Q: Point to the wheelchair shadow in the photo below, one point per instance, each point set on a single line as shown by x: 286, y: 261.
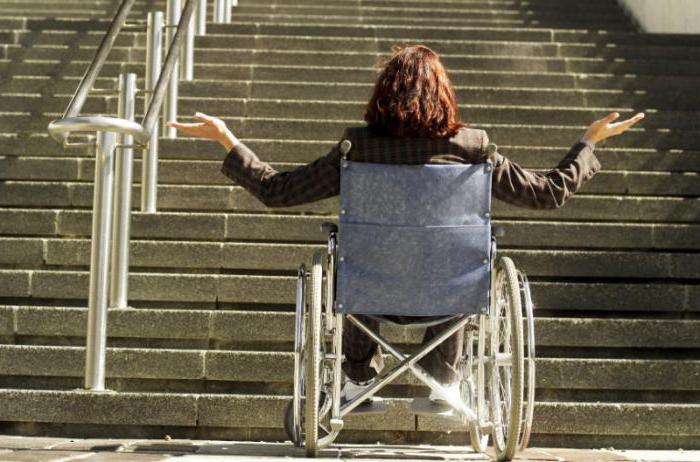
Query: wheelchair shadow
x: 345, y: 451
x: 408, y: 452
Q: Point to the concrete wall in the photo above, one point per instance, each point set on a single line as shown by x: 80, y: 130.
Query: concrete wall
x: 666, y: 16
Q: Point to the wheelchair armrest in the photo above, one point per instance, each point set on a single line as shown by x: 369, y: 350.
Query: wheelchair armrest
x: 498, y: 231
x: 328, y: 227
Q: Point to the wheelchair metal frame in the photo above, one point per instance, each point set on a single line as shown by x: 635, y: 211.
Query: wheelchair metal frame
x: 496, y: 403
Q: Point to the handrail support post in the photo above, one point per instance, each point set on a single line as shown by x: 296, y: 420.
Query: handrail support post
x: 219, y: 11
x: 170, y: 106
x: 202, y: 17
x: 227, y: 11
x: 149, y: 162
x: 187, y: 53
x: 119, y: 283
x: 96, y: 345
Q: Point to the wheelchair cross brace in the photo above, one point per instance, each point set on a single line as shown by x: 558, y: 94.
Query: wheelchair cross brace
x: 409, y: 363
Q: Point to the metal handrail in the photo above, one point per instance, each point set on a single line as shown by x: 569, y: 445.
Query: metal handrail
x: 61, y: 128
x: 81, y: 93
x: 111, y: 212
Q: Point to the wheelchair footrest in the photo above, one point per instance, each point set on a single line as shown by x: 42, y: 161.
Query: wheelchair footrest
x: 374, y: 406
x: 424, y: 406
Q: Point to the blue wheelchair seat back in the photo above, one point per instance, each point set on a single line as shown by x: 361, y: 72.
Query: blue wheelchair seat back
x: 414, y: 240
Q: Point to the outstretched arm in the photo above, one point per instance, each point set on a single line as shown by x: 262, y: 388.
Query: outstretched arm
x: 308, y: 183
x: 526, y: 188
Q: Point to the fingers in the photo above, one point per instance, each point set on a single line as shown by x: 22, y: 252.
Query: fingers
x: 605, y: 121
x: 613, y: 116
x: 624, y: 125
x: 190, y: 129
x: 180, y: 125
x: 203, y: 117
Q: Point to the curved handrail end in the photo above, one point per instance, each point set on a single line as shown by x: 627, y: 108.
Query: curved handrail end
x: 59, y: 129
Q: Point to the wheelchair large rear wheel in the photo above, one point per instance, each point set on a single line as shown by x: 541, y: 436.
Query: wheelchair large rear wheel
x: 294, y: 417
x: 312, y: 377
x: 529, y: 350
x: 506, y: 360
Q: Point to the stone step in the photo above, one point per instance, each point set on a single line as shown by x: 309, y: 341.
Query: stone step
x: 415, y: 9
x: 276, y: 329
x: 666, y: 108
x: 576, y: 34
x: 64, y: 12
x: 444, y: 4
x: 331, y: 130
x: 37, y: 253
x: 304, y: 14
x: 12, y: 23
x: 603, y: 5
x: 531, y: 111
x: 217, y: 326
x: 278, y: 367
x: 672, y: 92
x: 535, y: 22
x: 235, y: 198
x: 260, y: 411
x: 201, y: 172
x: 300, y: 228
x: 211, y: 44
x: 283, y: 151
x: 465, y: 13
x: 418, y: 33
x: 475, y: 47
x: 359, y: 59
x: 217, y: 288
x: 76, y: 38
x: 90, y: 33
x: 577, y: 52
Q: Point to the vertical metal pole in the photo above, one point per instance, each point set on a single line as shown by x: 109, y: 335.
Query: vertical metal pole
x: 202, y: 17
x: 227, y: 11
x: 121, y: 231
x: 99, y: 262
x: 170, y: 105
x: 219, y: 11
x: 187, y: 52
x: 149, y: 163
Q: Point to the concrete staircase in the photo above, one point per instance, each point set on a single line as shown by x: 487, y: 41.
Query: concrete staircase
x: 206, y: 352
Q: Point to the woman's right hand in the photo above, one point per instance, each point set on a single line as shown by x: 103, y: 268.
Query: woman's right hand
x: 210, y: 128
x: 605, y: 128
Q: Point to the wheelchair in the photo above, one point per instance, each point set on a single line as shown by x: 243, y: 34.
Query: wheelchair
x: 416, y: 240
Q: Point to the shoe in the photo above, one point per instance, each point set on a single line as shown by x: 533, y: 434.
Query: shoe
x: 453, y: 391
x: 353, y: 389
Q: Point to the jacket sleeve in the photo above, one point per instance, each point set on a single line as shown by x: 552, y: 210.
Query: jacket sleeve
x: 550, y: 190
x: 308, y: 183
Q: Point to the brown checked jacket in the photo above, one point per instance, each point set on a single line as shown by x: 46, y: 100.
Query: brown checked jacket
x: 321, y: 178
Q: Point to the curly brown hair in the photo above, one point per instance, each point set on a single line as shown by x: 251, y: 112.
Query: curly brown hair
x: 413, y: 96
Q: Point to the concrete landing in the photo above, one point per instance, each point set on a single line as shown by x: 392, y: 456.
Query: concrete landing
x: 40, y: 449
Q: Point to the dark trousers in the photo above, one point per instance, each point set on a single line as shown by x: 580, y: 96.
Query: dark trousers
x: 363, y: 357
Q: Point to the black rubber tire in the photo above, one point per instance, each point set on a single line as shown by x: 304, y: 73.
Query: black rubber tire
x: 506, y: 443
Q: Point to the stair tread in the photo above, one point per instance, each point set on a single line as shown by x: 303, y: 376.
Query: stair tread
x: 614, y: 274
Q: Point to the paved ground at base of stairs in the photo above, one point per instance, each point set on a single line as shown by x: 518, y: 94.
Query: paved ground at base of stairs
x: 40, y: 449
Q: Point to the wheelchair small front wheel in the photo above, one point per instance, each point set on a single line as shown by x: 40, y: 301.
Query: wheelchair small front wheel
x: 506, y: 360
x: 312, y: 371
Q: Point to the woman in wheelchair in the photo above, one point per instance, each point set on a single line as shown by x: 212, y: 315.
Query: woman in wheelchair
x: 412, y: 118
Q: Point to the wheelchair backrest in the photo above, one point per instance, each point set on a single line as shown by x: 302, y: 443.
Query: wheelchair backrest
x: 414, y: 240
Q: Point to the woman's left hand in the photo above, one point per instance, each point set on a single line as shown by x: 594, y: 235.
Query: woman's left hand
x: 210, y: 128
